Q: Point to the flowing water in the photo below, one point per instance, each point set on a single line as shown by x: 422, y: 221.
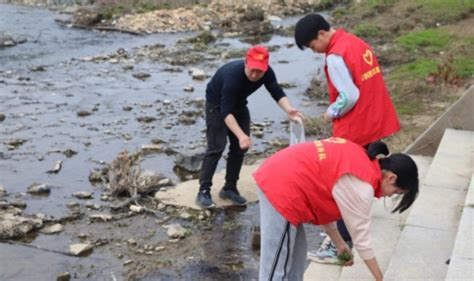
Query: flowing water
x: 41, y: 109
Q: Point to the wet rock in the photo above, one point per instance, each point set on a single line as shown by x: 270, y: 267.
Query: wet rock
x: 189, y: 89
x: 80, y: 249
x: 6, y: 40
x: 141, y: 76
x: 127, y: 108
x: 148, y: 180
x: 204, y: 38
x: 175, y: 231
x: 189, y: 162
x: 198, y: 74
x: 132, y: 242
x: 86, y: 16
x: 39, y: 189
x: 285, y: 85
x: 3, y: 192
x: 165, y: 182
x: 95, y: 175
x: 65, y: 276
x: 14, y: 143
x: 146, y: 119
x: 69, y: 153
x: 52, y: 229
x: 274, y: 18
x: 127, y: 262
x: 19, y: 204
x: 185, y: 215
x: 14, y: 226
x: 128, y: 67
x: 82, y: 195
x: 160, y: 206
x: 2, y: 116
x: 102, y: 217
x: 136, y: 209
x: 198, y: 102
x: 72, y: 205
x: 38, y: 68
x: 83, y: 113
x: 92, y: 206
x: 151, y: 148
x: 56, y: 167
x: 186, y: 120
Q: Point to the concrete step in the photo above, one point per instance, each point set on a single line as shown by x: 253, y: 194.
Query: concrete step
x: 461, y: 266
x: 427, y: 239
x: 385, y: 229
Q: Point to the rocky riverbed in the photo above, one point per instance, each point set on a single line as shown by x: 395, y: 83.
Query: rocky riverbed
x: 74, y: 100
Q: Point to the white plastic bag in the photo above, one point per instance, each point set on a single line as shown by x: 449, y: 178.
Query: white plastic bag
x: 296, y: 133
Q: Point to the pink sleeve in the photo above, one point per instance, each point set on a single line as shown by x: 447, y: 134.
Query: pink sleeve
x: 354, y: 199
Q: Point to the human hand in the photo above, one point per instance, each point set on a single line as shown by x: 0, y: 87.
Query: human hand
x: 244, y: 142
x: 295, y: 115
x: 344, y: 250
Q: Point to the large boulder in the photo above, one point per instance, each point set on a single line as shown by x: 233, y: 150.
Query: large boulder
x: 189, y: 162
x: 86, y: 16
x: 14, y: 226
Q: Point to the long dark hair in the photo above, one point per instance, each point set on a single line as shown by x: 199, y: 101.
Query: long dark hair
x: 403, y: 166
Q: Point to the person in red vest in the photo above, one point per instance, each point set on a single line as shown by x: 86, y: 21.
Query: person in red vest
x: 321, y: 182
x: 360, y: 107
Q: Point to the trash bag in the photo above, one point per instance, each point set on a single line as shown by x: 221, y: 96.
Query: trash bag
x: 296, y: 133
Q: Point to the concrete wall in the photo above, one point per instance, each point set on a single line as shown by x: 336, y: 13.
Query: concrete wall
x: 458, y: 116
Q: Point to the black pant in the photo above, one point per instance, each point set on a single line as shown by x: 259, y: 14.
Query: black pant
x: 217, y: 133
x: 341, y: 227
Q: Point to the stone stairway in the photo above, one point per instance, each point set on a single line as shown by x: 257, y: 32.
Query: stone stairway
x: 416, y: 245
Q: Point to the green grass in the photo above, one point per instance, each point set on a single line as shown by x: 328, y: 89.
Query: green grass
x: 408, y: 108
x: 464, y: 67
x: 373, y: 3
x: 444, y: 11
x: 417, y: 69
x: 367, y: 30
x: 432, y: 40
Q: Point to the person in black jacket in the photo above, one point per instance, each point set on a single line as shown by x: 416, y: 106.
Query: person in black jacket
x: 227, y: 116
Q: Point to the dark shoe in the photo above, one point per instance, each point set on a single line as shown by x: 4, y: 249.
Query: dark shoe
x: 204, y: 200
x: 234, y: 196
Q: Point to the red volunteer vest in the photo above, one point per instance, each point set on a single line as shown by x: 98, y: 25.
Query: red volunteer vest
x: 373, y: 117
x: 298, y: 180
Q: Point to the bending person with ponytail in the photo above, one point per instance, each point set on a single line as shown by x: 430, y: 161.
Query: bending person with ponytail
x: 319, y: 183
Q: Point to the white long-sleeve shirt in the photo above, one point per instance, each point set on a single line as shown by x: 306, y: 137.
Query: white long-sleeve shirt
x: 341, y: 78
x: 354, y: 199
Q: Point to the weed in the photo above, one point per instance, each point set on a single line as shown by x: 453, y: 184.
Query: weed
x: 445, y: 73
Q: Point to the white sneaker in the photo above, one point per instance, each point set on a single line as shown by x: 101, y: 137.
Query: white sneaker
x: 326, y: 254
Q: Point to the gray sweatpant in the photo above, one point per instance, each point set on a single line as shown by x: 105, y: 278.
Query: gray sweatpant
x: 283, y: 245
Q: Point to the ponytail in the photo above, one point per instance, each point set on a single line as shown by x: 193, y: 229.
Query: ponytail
x: 376, y: 148
x: 403, y: 166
